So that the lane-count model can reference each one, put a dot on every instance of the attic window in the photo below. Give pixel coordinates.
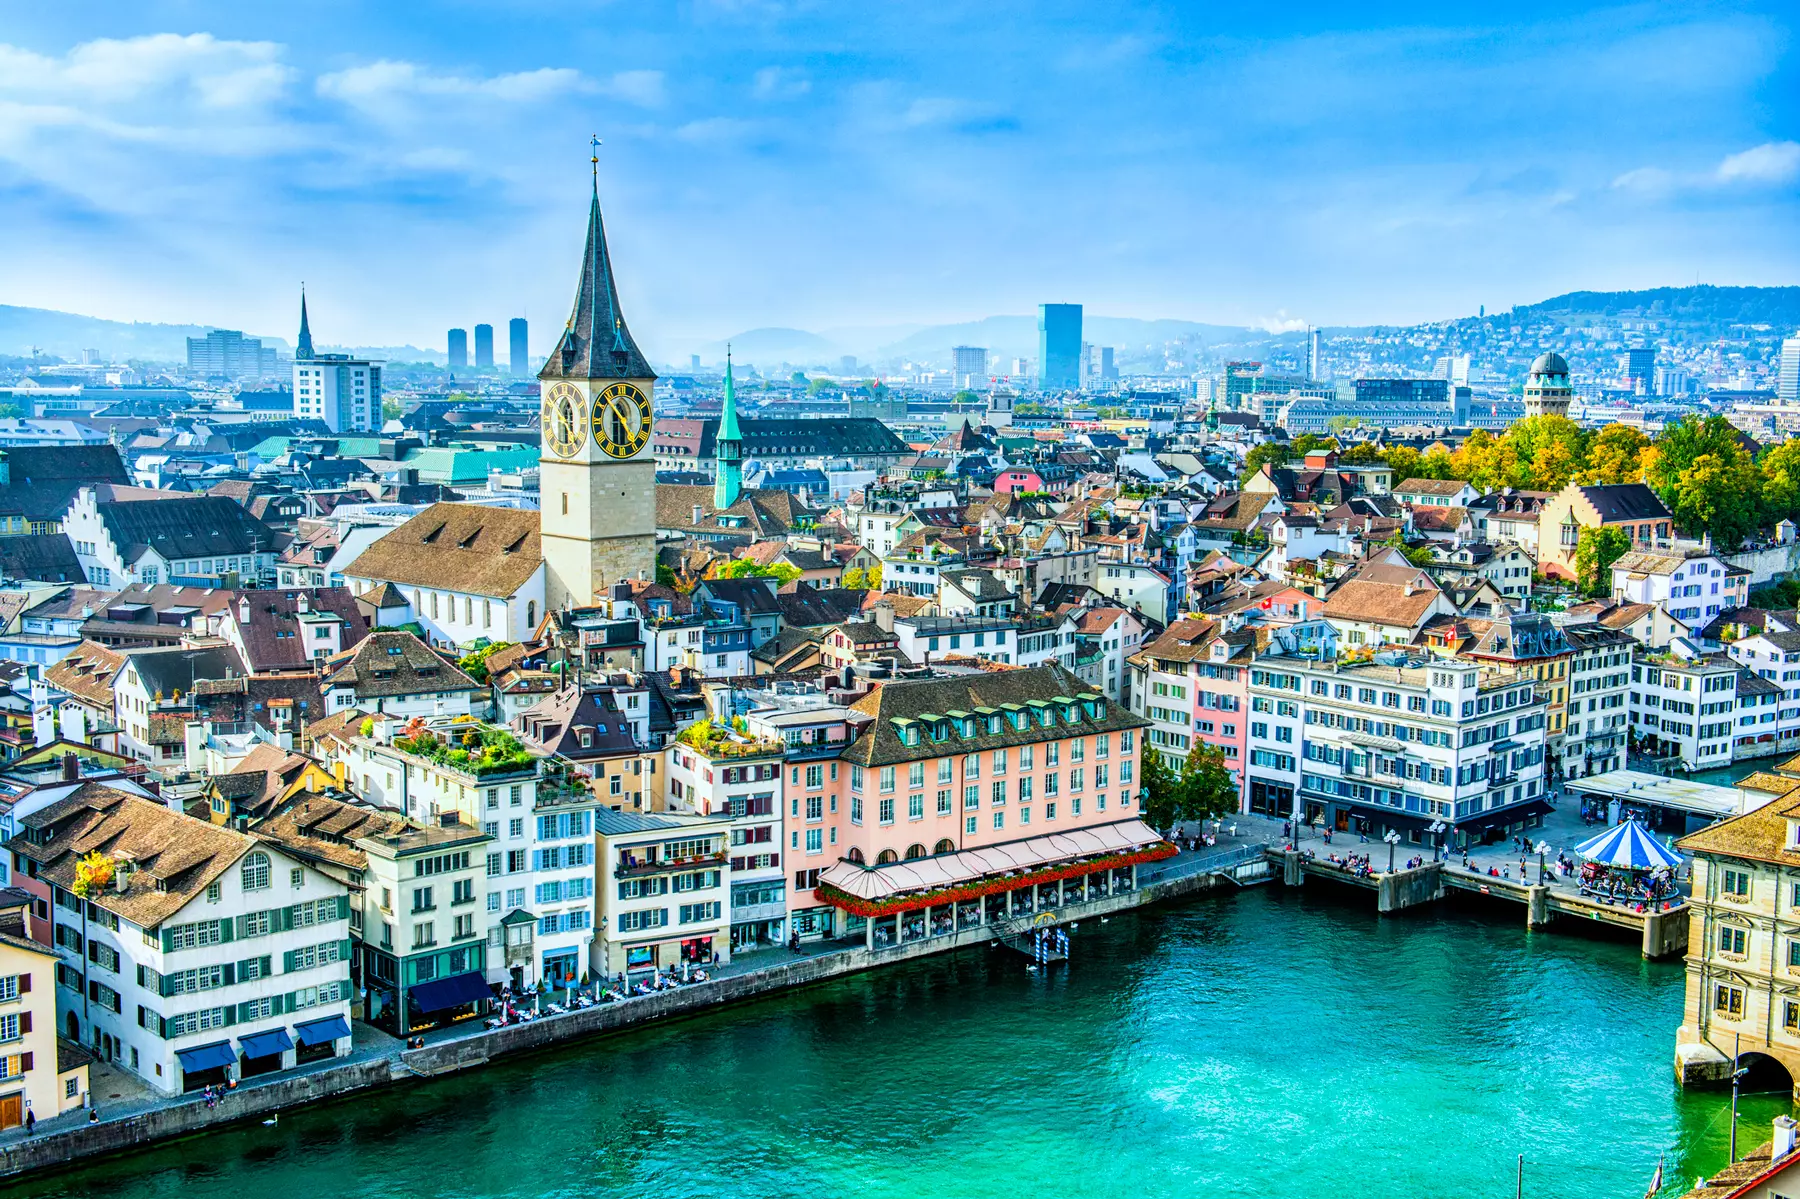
(468, 541)
(433, 535)
(513, 548)
(394, 651)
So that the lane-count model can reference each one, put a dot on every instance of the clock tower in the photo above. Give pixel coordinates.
(597, 476)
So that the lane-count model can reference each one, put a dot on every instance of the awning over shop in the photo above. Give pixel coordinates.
(1517, 812)
(206, 1057)
(441, 993)
(319, 1032)
(951, 869)
(262, 1044)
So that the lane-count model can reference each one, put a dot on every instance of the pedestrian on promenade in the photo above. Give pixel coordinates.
(30, 1123)
(93, 1115)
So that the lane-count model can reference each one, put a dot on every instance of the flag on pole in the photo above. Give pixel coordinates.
(1655, 1181)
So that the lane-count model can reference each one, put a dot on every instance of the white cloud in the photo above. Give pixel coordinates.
(780, 83)
(395, 91)
(1281, 322)
(643, 88)
(1771, 162)
(217, 74)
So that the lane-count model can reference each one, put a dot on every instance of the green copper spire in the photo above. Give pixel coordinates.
(1212, 415)
(728, 448)
(303, 349)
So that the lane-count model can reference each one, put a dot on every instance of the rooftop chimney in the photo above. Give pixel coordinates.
(300, 603)
(71, 768)
(1783, 1145)
(884, 616)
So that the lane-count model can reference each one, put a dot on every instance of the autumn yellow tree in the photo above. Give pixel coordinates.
(1613, 456)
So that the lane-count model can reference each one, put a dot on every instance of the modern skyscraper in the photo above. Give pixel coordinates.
(459, 349)
(1059, 346)
(1547, 389)
(228, 354)
(969, 364)
(518, 348)
(1313, 346)
(1787, 374)
(597, 479)
(1640, 368)
(484, 347)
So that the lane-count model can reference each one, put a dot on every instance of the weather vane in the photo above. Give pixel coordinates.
(595, 159)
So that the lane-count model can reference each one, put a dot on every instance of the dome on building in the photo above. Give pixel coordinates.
(1549, 364)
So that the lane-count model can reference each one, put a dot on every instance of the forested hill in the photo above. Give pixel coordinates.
(1716, 308)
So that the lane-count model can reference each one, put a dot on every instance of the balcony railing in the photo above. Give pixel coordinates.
(668, 865)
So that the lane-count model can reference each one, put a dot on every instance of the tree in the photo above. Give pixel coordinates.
(859, 579)
(1272, 452)
(11, 411)
(965, 397)
(817, 385)
(1613, 456)
(1308, 443)
(798, 377)
(745, 568)
(1418, 557)
(1342, 424)
(1437, 463)
(1700, 469)
(1363, 453)
(1403, 460)
(665, 574)
(1207, 789)
(1162, 789)
(391, 408)
(1780, 468)
(1596, 550)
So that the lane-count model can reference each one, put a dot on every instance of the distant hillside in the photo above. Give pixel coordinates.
(1702, 306)
(65, 334)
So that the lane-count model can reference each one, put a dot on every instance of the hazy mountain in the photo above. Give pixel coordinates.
(65, 334)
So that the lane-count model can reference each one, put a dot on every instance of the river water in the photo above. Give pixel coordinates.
(1260, 1043)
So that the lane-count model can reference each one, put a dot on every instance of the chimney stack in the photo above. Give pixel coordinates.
(1783, 1145)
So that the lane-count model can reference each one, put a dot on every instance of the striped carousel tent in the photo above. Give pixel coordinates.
(1628, 847)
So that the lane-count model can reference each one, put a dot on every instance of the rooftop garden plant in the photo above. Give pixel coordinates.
(477, 749)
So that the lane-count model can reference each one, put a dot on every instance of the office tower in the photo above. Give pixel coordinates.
(518, 348)
(1639, 368)
(847, 364)
(969, 364)
(227, 354)
(484, 347)
(694, 362)
(1059, 346)
(1787, 374)
(1108, 371)
(459, 349)
(1672, 381)
(1021, 368)
(1313, 338)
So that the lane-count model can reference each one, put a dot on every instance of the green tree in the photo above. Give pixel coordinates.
(1595, 552)
(1206, 787)
(798, 377)
(391, 409)
(1363, 453)
(1437, 463)
(859, 579)
(965, 397)
(817, 385)
(1700, 469)
(1162, 789)
(1780, 468)
(11, 412)
(744, 568)
(1343, 424)
(1612, 456)
(665, 574)
(1403, 460)
(1418, 557)
(1272, 452)
(1308, 443)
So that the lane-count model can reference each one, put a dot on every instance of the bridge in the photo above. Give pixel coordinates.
(1662, 931)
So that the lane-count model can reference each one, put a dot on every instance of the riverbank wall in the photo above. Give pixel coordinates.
(258, 1099)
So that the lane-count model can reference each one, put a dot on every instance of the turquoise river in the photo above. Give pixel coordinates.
(1261, 1043)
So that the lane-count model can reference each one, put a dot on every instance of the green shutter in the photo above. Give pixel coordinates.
(168, 940)
(343, 907)
(227, 928)
(284, 920)
(348, 948)
(229, 972)
(265, 965)
(231, 1015)
(287, 962)
(164, 987)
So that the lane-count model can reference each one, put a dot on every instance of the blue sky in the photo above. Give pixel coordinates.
(822, 166)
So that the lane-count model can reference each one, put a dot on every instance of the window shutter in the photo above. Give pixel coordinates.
(287, 919)
(24, 1023)
(168, 940)
(229, 972)
(231, 1014)
(287, 962)
(24, 984)
(774, 860)
(347, 947)
(264, 960)
(25, 1062)
(343, 907)
(226, 929)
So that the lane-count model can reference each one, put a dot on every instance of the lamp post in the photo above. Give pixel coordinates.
(1541, 848)
(1737, 1074)
(1437, 829)
(1393, 839)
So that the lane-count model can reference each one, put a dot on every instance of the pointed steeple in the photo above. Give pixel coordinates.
(303, 349)
(728, 448)
(596, 344)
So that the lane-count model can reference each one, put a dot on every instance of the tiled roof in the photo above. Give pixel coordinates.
(192, 527)
(397, 663)
(458, 547)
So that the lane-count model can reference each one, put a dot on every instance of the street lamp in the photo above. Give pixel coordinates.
(1737, 1074)
(1392, 838)
(1438, 829)
(1540, 849)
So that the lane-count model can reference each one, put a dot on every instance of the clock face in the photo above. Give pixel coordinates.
(621, 420)
(565, 420)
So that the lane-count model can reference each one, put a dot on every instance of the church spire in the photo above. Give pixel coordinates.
(303, 349)
(728, 448)
(596, 344)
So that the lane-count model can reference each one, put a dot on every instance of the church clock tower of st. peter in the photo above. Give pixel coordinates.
(597, 475)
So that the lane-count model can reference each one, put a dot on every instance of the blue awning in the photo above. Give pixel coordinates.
(441, 993)
(262, 1044)
(206, 1057)
(319, 1032)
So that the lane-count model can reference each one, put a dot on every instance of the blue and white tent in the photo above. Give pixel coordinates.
(1628, 847)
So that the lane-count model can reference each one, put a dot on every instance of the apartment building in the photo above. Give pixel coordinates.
(1192, 685)
(1597, 709)
(37, 1076)
(425, 941)
(663, 894)
(199, 953)
(1684, 705)
(1403, 740)
(716, 772)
